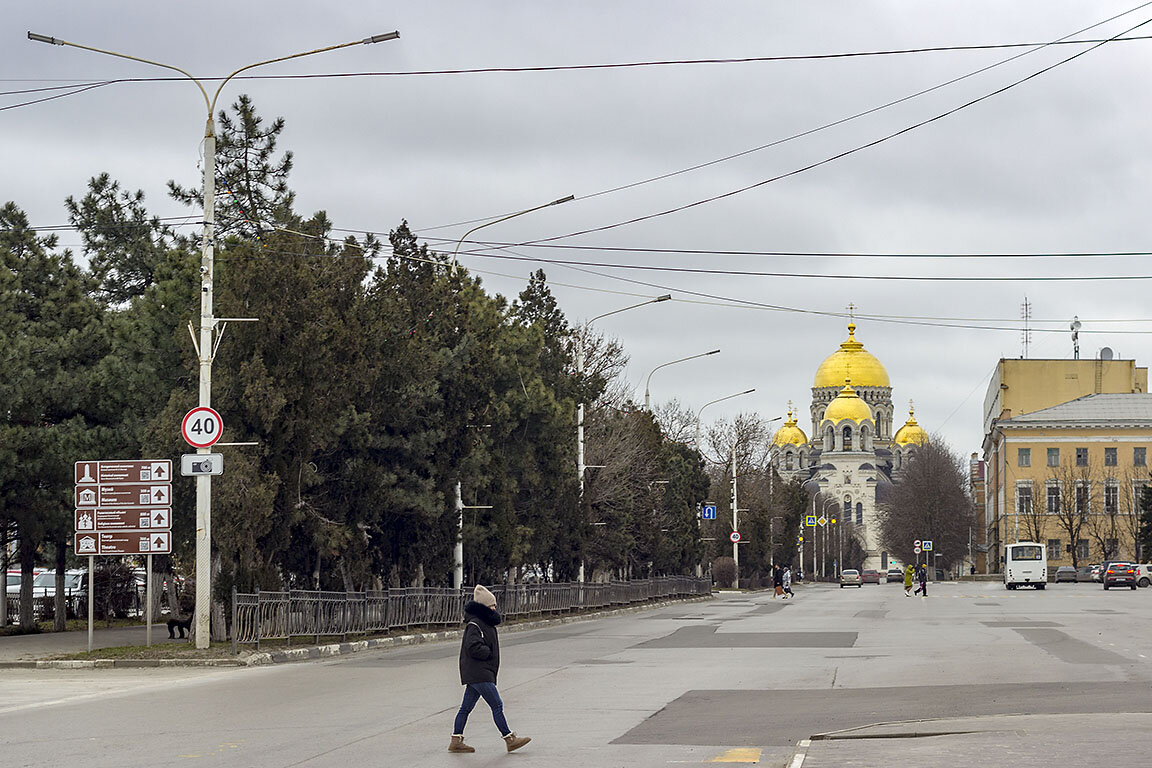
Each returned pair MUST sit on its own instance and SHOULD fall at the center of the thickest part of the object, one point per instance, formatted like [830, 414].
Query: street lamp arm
[648, 381]
[57, 41]
[464, 237]
[665, 297]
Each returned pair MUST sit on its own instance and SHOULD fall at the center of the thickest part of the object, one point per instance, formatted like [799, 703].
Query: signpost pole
[91, 597]
[148, 600]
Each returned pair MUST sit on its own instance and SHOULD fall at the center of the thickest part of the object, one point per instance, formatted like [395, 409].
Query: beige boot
[458, 745]
[514, 742]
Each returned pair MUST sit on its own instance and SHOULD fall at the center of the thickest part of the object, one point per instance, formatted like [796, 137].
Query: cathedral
[848, 465]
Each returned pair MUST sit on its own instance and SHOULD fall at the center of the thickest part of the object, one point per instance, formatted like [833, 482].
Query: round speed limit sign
[735, 537]
[201, 427]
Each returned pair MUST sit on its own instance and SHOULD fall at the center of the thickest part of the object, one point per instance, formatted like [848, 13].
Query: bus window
[1029, 552]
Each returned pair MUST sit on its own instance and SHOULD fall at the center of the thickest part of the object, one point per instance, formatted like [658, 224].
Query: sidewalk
[27, 647]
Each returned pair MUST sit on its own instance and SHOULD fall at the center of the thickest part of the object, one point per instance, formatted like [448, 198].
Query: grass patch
[161, 649]
[72, 625]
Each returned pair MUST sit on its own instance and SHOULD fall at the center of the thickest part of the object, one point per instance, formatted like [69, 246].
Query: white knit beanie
[483, 596]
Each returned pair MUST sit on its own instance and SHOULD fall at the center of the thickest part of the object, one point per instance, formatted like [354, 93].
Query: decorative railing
[298, 613]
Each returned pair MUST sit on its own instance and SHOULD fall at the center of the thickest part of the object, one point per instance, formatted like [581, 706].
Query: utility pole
[735, 518]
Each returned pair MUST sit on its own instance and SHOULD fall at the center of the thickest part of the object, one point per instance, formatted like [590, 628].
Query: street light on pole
[580, 405]
[700, 412]
[463, 237]
[206, 344]
[647, 397]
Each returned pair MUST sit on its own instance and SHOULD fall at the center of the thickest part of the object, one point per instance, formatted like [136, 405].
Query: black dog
[183, 624]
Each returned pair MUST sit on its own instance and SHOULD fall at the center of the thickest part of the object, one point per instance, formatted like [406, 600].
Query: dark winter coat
[777, 577]
[480, 649]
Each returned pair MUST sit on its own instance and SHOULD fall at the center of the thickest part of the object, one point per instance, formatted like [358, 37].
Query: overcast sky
[1057, 164]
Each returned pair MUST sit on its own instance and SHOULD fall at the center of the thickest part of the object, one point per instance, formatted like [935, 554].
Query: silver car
[850, 578]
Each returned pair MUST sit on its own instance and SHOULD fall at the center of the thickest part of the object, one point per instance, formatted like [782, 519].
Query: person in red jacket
[479, 665]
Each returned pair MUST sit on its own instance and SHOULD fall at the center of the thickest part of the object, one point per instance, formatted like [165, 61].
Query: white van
[1025, 563]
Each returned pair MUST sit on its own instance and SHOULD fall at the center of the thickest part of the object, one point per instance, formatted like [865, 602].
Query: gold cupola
[847, 405]
[911, 433]
[790, 433]
[851, 361]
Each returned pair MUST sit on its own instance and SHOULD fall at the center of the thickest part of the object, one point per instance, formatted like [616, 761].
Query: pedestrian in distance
[922, 577]
[777, 582]
[479, 665]
[787, 582]
[909, 575]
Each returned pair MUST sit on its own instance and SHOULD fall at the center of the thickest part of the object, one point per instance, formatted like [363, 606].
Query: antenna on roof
[1026, 334]
[1075, 337]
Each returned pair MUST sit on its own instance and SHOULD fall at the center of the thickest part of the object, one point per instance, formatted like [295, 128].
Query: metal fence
[305, 613]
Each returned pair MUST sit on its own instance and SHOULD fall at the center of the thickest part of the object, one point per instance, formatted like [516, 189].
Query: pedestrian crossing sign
[810, 521]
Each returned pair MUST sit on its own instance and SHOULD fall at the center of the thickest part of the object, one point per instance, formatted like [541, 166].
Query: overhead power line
[833, 158]
[75, 82]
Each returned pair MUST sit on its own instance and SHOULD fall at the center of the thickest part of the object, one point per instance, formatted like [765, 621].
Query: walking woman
[479, 663]
[909, 574]
[777, 582]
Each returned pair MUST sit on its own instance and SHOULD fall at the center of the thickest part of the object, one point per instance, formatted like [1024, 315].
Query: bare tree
[676, 420]
[1074, 503]
[929, 500]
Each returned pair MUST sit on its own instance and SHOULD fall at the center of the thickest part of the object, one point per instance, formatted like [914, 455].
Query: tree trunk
[4, 562]
[61, 607]
[219, 628]
[27, 566]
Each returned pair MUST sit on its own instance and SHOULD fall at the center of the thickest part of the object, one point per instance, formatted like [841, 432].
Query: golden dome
[911, 432]
[853, 362]
[847, 405]
[790, 434]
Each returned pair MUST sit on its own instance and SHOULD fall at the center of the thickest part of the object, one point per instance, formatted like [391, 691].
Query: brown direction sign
[123, 519]
[122, 495]
[123, 543]
[140, 471]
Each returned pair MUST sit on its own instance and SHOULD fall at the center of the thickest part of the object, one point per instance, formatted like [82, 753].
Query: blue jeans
[473, 693]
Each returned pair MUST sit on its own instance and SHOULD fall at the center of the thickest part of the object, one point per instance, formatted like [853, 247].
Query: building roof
[1129, 409]
[847, 405]
[790, 433]
[853, 362]
[911, 432]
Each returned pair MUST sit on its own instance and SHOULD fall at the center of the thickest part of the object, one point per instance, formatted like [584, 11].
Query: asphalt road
[973, 675]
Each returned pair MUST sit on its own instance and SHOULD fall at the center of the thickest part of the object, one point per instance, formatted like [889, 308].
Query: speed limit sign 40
[201, 427]
[735, 537]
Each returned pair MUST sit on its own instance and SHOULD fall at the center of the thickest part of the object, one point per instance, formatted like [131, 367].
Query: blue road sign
[810, 521]
[709, 512]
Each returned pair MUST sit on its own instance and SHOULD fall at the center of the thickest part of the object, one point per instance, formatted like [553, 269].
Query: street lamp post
[205, 346]
[699, 413]
[647, 395]
[580, 406]
[824, 557]
[458, 548]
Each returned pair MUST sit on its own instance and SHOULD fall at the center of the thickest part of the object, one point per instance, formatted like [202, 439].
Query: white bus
[1025, 564]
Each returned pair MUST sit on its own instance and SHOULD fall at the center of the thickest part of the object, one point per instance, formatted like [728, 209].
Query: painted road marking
[739, 755]
[801, 752]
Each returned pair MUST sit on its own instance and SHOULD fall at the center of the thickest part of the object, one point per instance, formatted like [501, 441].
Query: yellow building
[1069, 475]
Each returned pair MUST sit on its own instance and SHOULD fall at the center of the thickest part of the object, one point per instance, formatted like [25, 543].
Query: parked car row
[1110, 574]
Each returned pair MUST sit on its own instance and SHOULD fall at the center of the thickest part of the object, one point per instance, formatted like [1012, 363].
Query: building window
[883, 561]
[1138, 487]
[1081, 457]
[1054, 551]
[1023, 499]
[1109, 457]
[1053, 457]
[1023, 457]
[847, 438]
[1111, 499]
[1053, 507]
[788, 461]
[1082, 498]
[1140, 456]
[1111, 548]
[1081, 549]
[859, 513]
[847, 511]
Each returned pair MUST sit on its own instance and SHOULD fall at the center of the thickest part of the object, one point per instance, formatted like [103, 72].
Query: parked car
[868, 576]
[1120, 575]
[1084, 573]
[895, 575]
[1097, 571]
[75, 589]
[1143, 575]
[850, 578]
[1066, 573]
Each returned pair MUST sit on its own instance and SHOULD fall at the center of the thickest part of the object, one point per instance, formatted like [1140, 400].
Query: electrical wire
[827, 160]
[591, 67]
[56, 96]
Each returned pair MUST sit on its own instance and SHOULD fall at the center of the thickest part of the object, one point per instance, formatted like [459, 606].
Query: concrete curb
[281, 656]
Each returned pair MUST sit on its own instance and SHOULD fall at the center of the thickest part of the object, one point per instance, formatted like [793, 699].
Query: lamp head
[44, 39]
[381, 38]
